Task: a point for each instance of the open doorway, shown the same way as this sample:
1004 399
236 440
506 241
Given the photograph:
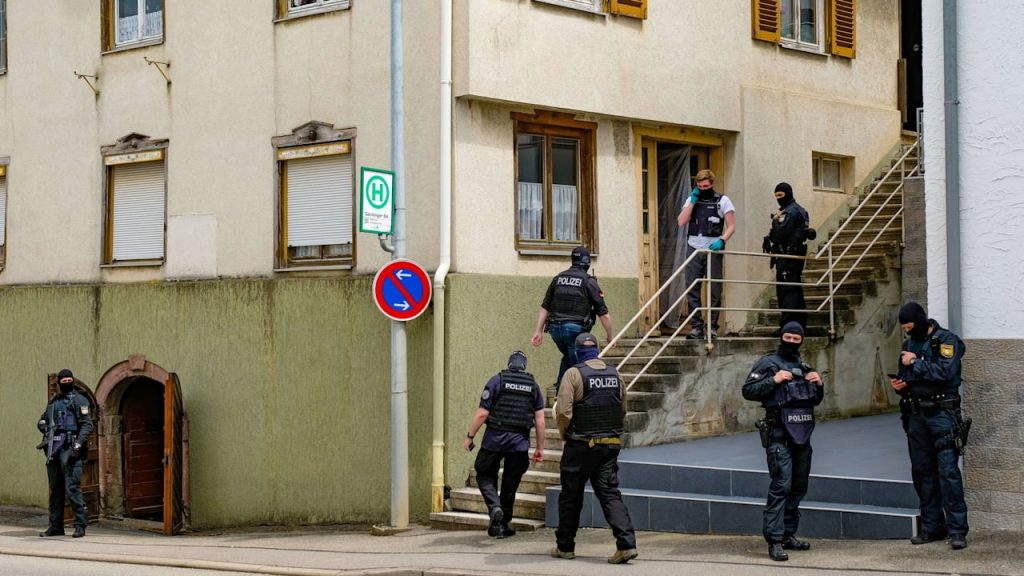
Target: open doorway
142 436
911 82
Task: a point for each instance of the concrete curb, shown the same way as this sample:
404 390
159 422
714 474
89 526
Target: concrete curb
234 566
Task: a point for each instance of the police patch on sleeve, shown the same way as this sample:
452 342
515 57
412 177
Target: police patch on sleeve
946 350
486 394
754 376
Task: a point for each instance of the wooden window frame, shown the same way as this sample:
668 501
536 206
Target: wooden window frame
836 20
282 12
108 28
308 135
132 144
556 124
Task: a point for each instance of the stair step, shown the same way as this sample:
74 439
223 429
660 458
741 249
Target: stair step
841 302
474 521
663 365
533 482
470 500
690 513
767 331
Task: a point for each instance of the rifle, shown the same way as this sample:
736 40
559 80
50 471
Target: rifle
48 436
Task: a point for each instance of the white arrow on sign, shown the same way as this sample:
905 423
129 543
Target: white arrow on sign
402 275
403 305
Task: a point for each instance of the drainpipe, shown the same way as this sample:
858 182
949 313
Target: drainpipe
445 252
952 121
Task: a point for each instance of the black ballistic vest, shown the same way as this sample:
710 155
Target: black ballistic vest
795 401
65 414
513 408
705 220
570 302
599 413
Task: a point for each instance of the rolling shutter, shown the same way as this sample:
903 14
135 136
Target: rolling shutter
3 210
765 24
320 200
843 20
138 212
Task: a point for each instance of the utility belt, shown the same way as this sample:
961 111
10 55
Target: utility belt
591 442
930 405
791 249
766 426
587 323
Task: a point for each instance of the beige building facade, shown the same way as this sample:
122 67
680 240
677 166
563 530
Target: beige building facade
183 185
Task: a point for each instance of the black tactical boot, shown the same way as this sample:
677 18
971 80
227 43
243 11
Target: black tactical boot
791 543
926 538
497 515
507 531
958 542
775 552
79 532
51 531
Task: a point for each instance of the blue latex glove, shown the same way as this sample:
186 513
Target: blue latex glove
717 245
693 196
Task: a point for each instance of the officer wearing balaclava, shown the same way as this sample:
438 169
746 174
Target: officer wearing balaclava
66 424
572 302
511 403
790 231
928 382
788 389
590 413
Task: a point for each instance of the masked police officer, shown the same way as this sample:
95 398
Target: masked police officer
511 404
65 425
789 234
570 305
928 382
590 413
789 389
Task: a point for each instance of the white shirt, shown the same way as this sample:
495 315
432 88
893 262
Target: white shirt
703 242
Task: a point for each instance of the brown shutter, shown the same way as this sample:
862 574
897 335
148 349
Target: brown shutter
843 28
174 427
282 8
107 24
631 8
765 21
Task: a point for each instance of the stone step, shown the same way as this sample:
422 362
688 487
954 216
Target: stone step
841 302
690 513
469 500
816 268
533 482
666 365
848 288
892 234
842 316
475 521
769 331
651 382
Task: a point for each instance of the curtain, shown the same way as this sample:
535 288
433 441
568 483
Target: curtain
564 203
531 211
673 188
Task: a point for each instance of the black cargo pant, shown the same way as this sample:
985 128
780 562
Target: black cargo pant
934 466
64 475
789 465
599 465
487 465
791 297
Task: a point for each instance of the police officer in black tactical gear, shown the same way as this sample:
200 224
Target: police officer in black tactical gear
590 413
928 382
570 305
789 389
510 404
66 425
789 235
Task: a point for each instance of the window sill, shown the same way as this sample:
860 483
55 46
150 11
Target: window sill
829 190
550 252
595 10
134 45
316 12
796 46
134 264
324 268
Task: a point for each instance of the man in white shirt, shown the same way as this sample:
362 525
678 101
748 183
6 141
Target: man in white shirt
710 218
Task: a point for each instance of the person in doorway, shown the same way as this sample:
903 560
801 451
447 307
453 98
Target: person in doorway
928 382
788 389
66 425
710 218
790 231
511 403
570 305
590 413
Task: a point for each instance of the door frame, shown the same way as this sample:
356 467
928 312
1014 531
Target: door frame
644 136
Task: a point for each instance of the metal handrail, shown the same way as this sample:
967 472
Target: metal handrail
827 276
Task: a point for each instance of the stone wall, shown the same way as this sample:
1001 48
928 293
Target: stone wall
915 253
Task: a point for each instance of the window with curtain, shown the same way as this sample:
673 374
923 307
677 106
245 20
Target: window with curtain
136 215
802 23
137 21
821 26
827 173
554 183
317 197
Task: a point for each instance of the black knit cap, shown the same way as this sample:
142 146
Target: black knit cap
784 187
793 327
64 373
912 312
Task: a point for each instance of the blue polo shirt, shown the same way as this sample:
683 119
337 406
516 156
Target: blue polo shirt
504 440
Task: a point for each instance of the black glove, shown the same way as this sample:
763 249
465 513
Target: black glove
76 450
766 245
42 426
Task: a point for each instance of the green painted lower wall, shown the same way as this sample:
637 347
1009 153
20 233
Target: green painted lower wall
488 318
286 383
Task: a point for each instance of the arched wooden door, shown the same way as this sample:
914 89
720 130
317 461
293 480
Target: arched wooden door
142 410
90 468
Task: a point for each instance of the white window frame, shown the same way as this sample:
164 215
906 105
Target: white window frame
317 6
817 168
141 39
593 6
820 26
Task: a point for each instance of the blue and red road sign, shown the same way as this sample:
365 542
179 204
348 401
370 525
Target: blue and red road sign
401 290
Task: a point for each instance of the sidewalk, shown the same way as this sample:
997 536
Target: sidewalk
319 551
